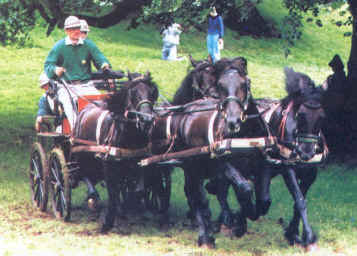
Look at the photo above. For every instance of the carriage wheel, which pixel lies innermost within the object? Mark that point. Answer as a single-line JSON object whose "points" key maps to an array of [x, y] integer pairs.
{"points": [[158, 190], [37, 174], [59, 185]]}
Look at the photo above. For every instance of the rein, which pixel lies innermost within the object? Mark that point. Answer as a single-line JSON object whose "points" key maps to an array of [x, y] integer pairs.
{"points": [[282, 125]]}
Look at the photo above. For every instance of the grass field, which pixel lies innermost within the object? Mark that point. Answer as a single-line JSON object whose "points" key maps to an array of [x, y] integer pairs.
{"points": [[332, 203]]}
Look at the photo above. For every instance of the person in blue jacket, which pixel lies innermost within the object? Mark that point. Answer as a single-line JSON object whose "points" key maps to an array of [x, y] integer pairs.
{"points": [[215, 34], [45, 104]]}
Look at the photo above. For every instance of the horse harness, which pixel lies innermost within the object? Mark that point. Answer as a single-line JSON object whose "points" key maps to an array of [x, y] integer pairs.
{"points": [[288, 150]]}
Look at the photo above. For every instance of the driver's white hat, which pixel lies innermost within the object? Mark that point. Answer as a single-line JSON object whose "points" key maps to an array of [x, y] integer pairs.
{"points": [[72, 22]]}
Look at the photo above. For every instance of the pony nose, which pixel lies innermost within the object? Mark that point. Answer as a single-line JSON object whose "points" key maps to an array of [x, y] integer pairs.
{"points": [[213, 93], [233, 124], [147, 118], [306, 154]]}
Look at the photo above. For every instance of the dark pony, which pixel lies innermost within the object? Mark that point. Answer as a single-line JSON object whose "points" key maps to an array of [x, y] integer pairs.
{"points": [[296, 121], [200, 82], [193, 128], [123, 121]]}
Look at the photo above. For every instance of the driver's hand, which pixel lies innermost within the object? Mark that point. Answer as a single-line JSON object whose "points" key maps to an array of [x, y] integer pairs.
{"points": [[59, 71], [105, 66], [38, 122]]}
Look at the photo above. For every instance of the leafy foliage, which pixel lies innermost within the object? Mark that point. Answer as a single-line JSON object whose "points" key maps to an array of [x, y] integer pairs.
{"points": [[16, 20], [292, 28]]}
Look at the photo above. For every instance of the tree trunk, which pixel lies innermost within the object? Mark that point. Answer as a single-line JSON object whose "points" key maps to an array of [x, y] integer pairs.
{"points": [[352, 62], [350, 107]]}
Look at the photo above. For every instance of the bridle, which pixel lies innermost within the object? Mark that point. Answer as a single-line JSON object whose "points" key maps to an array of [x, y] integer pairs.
{"points": [[291, 149], [242, 104], [137, 113]]}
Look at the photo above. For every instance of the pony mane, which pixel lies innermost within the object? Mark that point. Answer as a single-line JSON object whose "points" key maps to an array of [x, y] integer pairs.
{"points": [[237, 63], [185, 89], [300, 87]]}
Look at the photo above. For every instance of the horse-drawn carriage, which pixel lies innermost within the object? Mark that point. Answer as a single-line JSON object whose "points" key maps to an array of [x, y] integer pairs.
{"points": [[127, 135], [55, 170]]}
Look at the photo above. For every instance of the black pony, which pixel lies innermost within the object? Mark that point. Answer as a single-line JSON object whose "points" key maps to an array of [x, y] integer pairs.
{"points": [[123, 121], [296, 121], [197, 126], [200, 82]]}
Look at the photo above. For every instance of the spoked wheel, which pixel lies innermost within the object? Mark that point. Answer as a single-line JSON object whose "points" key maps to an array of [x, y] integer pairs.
{"points": [[59, 185], [37, 174], [158, 190]]}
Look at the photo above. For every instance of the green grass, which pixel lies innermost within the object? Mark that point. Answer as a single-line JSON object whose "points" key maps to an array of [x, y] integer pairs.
{"points": [[332, 204]]}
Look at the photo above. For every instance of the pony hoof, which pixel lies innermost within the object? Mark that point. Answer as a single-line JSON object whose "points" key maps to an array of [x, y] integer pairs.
{"points": [[105, 229], [312, 248], [226, 231], [208, 246], [207, 242], [92, 204]]}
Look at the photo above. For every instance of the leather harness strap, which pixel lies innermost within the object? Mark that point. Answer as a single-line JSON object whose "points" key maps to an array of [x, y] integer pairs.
{"points": [[282, 125]]}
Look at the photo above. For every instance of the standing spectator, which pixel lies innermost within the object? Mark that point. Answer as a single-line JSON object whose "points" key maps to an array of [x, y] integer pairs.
{"points": [[215, 33], [171, 39]]}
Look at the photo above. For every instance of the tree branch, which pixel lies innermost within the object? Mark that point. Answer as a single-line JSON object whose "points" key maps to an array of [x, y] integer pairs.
{"points": [[120, 12]]}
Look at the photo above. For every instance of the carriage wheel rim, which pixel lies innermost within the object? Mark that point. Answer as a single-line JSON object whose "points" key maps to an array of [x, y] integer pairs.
{"points": [[58, 191], [37, 180]]}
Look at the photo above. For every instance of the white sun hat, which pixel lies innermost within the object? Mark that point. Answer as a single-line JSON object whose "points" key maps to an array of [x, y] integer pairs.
{"points": [[72, 22], [84, 26], [43, 79]]}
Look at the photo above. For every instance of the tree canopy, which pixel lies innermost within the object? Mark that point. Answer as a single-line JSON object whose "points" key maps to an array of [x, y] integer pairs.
{"points": [[19, 16]]}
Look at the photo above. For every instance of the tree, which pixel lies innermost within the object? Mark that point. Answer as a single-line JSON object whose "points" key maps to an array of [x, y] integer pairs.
{"points": [[106, 13]]}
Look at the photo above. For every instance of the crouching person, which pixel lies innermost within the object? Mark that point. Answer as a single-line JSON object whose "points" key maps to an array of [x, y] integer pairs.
{"points": [[45, 104], [171, 39]]}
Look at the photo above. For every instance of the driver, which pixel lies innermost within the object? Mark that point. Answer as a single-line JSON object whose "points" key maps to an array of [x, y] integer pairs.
{"points": [[70, 59]]}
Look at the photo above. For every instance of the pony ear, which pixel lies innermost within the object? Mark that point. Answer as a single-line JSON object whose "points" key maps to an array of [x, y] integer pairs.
{"points": [[193, 62], [147, 75], [241, 64], [210, 60], [288, 71], [130, 75]]}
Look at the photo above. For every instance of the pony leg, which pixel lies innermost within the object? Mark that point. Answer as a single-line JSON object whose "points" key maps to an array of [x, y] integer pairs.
{"points": [[298, 192], [92, 194], [244, 192], [200, 208], [112, 197], [262, 192], [222, 187]]}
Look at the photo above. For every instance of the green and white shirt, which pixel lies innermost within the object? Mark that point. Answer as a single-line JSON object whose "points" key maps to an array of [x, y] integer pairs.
{"points": [[75, 58]]}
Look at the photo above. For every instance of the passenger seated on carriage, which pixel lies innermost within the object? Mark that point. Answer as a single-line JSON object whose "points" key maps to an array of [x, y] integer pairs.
{"points": [[84, 29], [46, 103], [70, 60]]}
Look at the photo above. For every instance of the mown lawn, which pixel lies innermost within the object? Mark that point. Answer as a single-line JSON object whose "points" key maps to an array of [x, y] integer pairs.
{"points": [[332, 203]]}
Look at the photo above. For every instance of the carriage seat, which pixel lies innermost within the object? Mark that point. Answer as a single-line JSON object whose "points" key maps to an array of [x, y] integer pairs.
{"points": [[81, 95]]}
